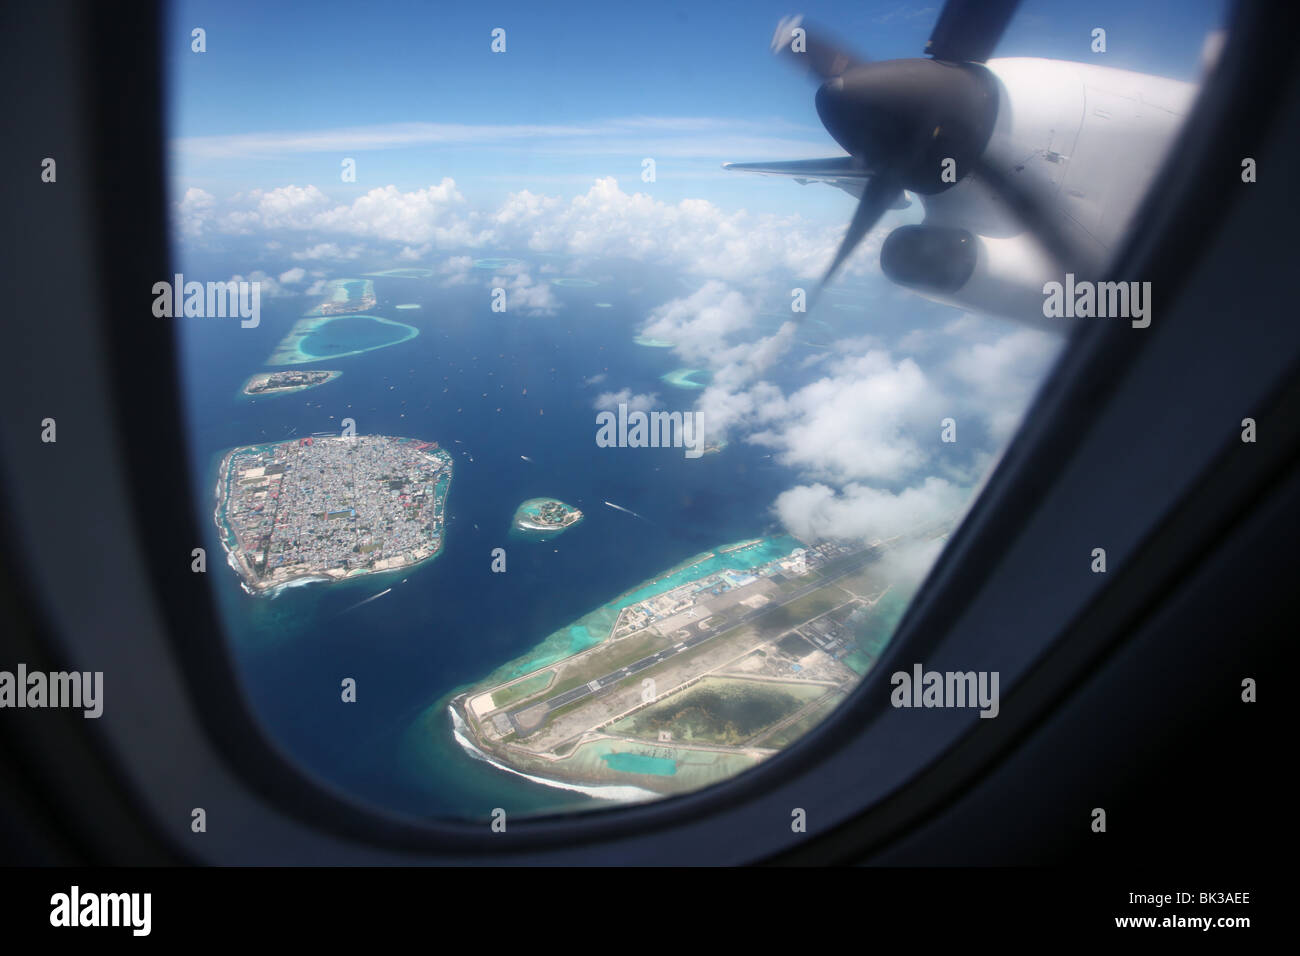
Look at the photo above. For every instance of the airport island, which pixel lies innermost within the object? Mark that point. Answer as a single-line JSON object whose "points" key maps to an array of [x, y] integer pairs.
{"points": [[544, 517], [326, 508], [282, 383], [689, 678]]}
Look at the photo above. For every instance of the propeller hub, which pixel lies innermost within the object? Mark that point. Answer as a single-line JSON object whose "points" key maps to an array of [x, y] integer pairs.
{"points": [[904, 117]]}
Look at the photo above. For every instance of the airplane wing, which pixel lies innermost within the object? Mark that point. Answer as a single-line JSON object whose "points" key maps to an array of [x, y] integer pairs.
{"points": [[844, 172]]}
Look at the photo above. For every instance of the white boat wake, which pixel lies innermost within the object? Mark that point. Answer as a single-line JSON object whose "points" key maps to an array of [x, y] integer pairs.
{"points": [[627, 511]]}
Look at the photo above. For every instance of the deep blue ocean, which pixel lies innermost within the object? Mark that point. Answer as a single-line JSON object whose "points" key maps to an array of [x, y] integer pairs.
{"points": [[460, 382]]}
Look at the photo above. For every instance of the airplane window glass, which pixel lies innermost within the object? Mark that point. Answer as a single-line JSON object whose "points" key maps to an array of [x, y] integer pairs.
{"points": [[546, 463]]}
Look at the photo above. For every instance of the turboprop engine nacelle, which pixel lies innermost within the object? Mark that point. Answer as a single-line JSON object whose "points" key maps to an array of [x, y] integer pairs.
{"points": [[1003, 277]]}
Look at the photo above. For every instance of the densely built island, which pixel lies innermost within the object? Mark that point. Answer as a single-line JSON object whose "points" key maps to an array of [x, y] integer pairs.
{"points": [[330, 508], [280, 383], [544, 517]]}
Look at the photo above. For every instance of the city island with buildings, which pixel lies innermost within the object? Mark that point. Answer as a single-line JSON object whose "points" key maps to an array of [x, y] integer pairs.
{"points": [[328, 508]]}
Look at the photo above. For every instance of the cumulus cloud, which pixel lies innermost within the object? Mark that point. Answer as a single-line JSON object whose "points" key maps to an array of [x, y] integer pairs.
{"points": [[707, 328], [1002, 375], [526, 296], [635, 403], [288, 207], [905, 564], [193, 212], [743, 361], [873, 417], [326, 250], [693, 235], [293, 276], [415, 253], [434, 214], [700, 324], [861, 512], [268, 286], [423, 215], [456, 270], [860, 423]]}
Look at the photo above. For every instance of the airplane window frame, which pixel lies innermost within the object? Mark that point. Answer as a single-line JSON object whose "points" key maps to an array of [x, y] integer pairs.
{"points": [[126, 109]]}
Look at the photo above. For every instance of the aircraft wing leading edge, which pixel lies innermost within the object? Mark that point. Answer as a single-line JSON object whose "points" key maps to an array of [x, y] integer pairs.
{"points": [[843, 172]]}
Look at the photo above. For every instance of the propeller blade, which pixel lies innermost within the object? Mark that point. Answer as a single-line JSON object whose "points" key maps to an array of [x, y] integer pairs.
{"points": [[968, 30], [881, 193], [1036, 215], [812, 51]]}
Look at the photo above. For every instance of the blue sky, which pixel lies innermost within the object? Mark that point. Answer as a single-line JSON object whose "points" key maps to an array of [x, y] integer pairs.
{"points": [[411, 91]]}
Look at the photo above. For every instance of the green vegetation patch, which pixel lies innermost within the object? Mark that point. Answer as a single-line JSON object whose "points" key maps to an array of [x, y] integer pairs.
{"points": [[522, 689], [608, 659], [801, 610], [797, 728], [719, 710], [795, 645]]}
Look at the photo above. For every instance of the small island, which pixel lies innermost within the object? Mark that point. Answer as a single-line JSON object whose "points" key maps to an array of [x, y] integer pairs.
{"points": [[651, 342], [281, 383], [325, 508], [346, 295], [543, 517], [691, 378]]}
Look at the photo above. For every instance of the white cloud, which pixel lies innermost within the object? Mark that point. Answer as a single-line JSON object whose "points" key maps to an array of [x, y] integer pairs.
{"points": [[872, 418], [424, 215], [430, 215], [864, 433], [193, 212], [906, 563], [693, 235], [293, 276], [522, 294], [609, 401], [268, 286], [457, 270], [726, 410], [861, 512], [288, 207], [1001, 376], [699, 325], [415, 254], [327, 250]]}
